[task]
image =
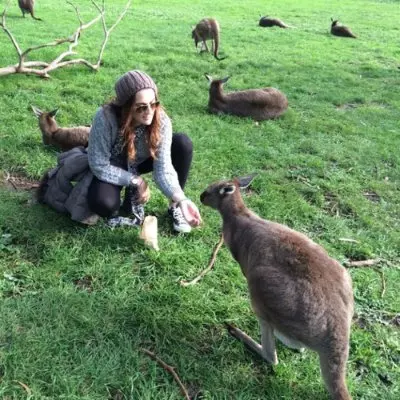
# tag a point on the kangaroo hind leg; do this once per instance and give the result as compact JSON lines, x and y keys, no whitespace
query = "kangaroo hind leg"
{"x":267,"y":348}
{"x":333,"y":368}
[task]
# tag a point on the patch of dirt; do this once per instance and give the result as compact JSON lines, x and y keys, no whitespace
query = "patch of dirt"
{"x":343,"y":107}
{"x":385,"y":379}
{"x":369,"y":316}
{"x":395,"y":320}
{"x":84,"y":283}
{"x":361,"y":322}
{"x":361,"y":368}
{"x":334,"y":206}
{"x":115,"y":394}
{"x":372,"y":196}
{"x":194,"y":391}
{"x":17,"y":182}
{"x":251,"y":191}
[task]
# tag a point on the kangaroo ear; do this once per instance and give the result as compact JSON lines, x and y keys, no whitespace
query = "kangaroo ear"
{"x":37,"y":111}
{"x":53,"y":113}
{"x":226,"y":190}
{"x":208,"y":77}
{"x":224,"y":80}
{"x":244,"y":181}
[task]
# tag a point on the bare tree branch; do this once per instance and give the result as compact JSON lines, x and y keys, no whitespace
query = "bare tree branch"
{"x":363,"y":263}
{"x":107,"y":33}
{"x":170,"y":370}
{"x":209,"y":267}
{"x":43,"y":68}
{"x":7,"y":31}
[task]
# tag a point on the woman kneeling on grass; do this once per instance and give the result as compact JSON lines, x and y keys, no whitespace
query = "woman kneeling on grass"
{"x":129,"y":137}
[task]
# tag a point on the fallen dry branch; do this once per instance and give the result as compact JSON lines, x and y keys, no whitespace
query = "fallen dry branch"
{"x":383,"y":281}
{"x":8,"y":179}
{"x":18,"y":182}
{"x":171,"y":370}
{"x":42,"y":68}
{"x":363,"y":263}
{"x":371,"y":263}
{"x":348,"y":240}
{"x":26,"y":387}
{"x":209,"y":267}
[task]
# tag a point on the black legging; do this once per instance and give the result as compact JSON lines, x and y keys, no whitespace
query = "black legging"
{"x":104,"y":198}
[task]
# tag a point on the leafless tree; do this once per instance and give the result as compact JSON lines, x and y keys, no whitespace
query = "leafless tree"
{"x":43,"y":68}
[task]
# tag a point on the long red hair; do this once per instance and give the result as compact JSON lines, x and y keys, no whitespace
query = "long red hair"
{"x":125,"y":116}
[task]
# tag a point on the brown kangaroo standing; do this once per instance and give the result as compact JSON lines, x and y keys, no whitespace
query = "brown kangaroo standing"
{"x":207,"y":29}
{"x":26,"y":6}
{"x":299,"y":294}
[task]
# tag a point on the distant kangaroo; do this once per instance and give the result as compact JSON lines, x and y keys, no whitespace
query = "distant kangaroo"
{"x":341,"y":30}
{"x":207,"y":29}
{"x":63,"y":138}
{"x":27,"y":6}
{"x":259,"y":104}
{"x":268,"y":22}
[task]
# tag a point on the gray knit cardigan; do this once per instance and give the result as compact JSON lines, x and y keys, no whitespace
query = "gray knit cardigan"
{"x":105,"y":151}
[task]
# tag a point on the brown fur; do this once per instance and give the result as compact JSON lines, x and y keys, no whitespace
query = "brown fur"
{"x":267,"y":22}
{"x":341,"y":30}
{"x":259,"y":104}
{"x":299,"y":294}
{"x":27,"y":6}
{"x":207,"y":29}
{"x":63,"y":138}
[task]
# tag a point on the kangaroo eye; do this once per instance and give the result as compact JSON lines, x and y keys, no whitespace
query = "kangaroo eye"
{"x":227,"y":190}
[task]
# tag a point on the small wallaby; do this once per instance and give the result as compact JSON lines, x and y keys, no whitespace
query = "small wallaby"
{"x":299,"y":294}
{"x":63,"y":138}
{"x":267,"y":22}
{"x":341,"y":30}
{"x":207,"y":29}
{"x":27,"y":6}
{"x":259,"y":104}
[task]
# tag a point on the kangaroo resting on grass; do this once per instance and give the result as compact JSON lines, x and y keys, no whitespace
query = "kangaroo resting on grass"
{"x":341,"y":30}
{"x":207,"y":29}
{"x":27,"y":6}
{"x":267,"y":22}
{"x":259,"y":104}
{"x":63,"y":138}
{"x":299,"y":294}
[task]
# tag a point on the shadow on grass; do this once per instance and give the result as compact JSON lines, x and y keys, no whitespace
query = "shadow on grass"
{"x":102,"y":334}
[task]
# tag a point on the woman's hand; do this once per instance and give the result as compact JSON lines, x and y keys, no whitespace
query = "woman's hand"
{"x":142,"y":190}
{"x":190,"y":212}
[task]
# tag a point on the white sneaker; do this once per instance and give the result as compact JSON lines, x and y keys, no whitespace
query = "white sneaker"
{"x":179,"y":222}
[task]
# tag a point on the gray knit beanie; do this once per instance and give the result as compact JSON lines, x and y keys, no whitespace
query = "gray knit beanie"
{"x":130,"y":83}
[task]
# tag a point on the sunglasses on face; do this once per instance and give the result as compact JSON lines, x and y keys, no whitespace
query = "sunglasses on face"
{"x":143,"y":108}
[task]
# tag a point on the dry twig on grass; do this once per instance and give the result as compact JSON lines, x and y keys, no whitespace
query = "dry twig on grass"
{"x":348,"y":240}
{"x":26,"y":387}
{"x":363,"y":263}
{"x":8,"y":179}
{"x":42,"y":68}
{"x":371,"y":263}
{"x":209,"y":267}
{"x":171,"y":370}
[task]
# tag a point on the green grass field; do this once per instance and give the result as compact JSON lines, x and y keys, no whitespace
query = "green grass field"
{"x":78,"y":303}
